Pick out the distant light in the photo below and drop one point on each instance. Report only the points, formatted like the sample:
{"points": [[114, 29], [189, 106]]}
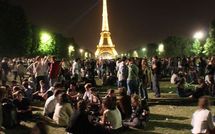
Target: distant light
{"points": [[144, 49], [81, 50], [161, 48], [199, 35], [135, 54]]}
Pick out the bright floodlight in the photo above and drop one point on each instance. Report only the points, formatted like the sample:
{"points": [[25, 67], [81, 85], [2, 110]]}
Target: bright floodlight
{"points": [[45, 37], [161, 48], [199, 35]]}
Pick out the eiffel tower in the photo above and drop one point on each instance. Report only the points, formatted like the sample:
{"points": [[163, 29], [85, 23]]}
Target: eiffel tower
{"points": [[105, 48]]}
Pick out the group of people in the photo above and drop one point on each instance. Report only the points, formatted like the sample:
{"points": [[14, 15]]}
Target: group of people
{"points": [[71, 95]]}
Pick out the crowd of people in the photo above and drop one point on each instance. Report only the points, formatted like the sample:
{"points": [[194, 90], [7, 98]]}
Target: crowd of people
{"points": [[71, 95]]}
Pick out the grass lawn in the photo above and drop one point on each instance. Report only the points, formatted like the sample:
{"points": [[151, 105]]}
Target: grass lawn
{"points": [[169, 115]]}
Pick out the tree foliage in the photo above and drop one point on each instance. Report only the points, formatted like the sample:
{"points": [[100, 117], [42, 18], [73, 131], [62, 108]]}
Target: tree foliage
{"points": [[14, 31], [209, 46]]}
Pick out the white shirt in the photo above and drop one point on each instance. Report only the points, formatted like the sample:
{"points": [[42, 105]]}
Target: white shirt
{"points": [[50, 105], [87, 95], [202, 121], [75, 68], [114, 117]]}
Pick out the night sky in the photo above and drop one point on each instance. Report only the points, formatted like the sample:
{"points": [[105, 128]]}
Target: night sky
{"points": [[132, 22]]}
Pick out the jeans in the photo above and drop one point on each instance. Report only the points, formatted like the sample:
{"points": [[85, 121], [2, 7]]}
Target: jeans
{"points": [[143, 91], [132, 86], [155, 85]]}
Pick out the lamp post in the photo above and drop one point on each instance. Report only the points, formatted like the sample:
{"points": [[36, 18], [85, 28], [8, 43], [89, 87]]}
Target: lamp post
{"points": [[81, 52], [160, 48]]}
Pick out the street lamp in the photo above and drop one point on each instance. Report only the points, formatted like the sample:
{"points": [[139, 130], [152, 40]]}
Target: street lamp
{"points": [[161, 48], [45, 37], [198, 35], [71, 49]]}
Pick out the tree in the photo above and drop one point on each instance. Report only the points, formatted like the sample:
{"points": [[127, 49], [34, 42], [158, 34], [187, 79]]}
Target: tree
{"points": [[177, 46], [209, 46], [151, 49], [15, 31], [197, 48]]}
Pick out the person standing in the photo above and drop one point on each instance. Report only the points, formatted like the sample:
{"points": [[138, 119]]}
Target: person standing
{"points": [[54, 71], [145, 79], [122, 73], [4, 71], [40, 70], [156, 70], [132, 80]]}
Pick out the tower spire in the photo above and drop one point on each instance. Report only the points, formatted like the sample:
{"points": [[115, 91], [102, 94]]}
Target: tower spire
{"points": [[105, 25], [105, 48]]}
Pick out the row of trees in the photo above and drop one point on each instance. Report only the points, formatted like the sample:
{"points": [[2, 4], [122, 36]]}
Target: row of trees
{"points": [[20, 38], [179, 46]]}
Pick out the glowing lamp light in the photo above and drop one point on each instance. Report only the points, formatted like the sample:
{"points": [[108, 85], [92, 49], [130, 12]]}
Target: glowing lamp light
{"points": [[81, 51], [144, 49], [161, 48], [199, 35], [45, 37]]}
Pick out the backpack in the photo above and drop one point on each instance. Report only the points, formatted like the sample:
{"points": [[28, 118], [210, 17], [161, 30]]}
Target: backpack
{"points": [[9, 114]]}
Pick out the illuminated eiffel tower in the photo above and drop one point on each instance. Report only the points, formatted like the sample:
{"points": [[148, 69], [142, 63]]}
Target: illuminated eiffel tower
{"points": [[105, 48]]}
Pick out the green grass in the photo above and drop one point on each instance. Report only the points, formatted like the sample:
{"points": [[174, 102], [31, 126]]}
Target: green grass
{"points": [[169, 115]]}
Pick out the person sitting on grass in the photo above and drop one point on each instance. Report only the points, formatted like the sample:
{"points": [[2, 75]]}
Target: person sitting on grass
{"points": [[181, 91], [124, 103], [139, 115], [41, 94], [87, 93], [63, 111], [202, 120], [73, 94], [39, 128], [23, 107], [111, 118], [50, 104], [79, 122], [201, 89]]}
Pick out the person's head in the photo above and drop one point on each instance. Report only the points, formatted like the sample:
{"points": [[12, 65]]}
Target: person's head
{"points": [[131, 60], [123, 59], [53, 58], [82, 105], [19, 95], [72, 86], [111, 93], [109, 103], [42, 83], [122, 91], [203, 103], [39, 128], [135, 101], [25, 84], [16, 88], [88, 86], [93, 90], [201, 81], [63, 98], [57, 93], [155, 58], [57, 85], [38, 58]]}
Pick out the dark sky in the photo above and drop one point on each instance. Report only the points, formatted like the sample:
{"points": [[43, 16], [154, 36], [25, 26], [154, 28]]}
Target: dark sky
{"points": [[132, 22]]}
